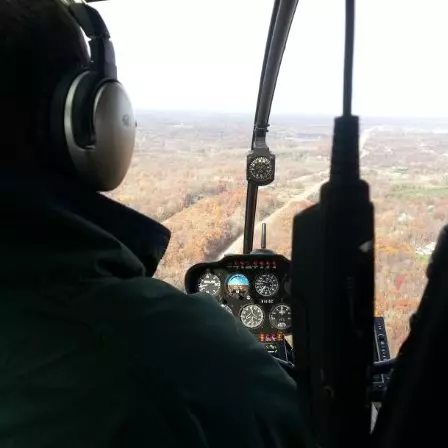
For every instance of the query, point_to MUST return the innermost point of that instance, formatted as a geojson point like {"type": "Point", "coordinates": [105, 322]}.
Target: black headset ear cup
{"type": "Point", "coordinates": [105, 162]}
{"type": "Point", "coordinates": [57, 153]}
{"type": "Point", "coordinates": [93, 130]}
{"type": "Point", "coordinates": [82, 109]}
{"type": "Point", "coordinates": [92, 124]}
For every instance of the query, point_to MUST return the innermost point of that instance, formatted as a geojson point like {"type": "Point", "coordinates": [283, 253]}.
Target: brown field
{"type": "Point", "coordinates": [189, 173]}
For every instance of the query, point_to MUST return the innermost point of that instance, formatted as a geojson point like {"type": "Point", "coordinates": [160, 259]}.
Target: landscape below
{"type": "Point", "coordinates": [189, 174]}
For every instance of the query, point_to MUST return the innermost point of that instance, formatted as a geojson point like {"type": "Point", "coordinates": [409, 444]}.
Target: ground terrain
{"type": "Point", "coordinates": [189, 173]}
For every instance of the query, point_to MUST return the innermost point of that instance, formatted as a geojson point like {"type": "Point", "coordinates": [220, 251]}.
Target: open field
{"type": "Point", "coordinates": [189, 173]}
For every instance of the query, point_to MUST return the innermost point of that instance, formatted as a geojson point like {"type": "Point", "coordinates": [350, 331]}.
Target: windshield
{"type": "Point", "coordinates": [192, 69]}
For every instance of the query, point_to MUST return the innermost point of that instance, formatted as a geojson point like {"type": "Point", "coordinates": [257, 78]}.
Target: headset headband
{"type": "Point", "coordinates": [102, 54]}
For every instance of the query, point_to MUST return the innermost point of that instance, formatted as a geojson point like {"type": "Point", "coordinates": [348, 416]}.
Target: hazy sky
{"type": "Point", "coordinates": [207, 55]}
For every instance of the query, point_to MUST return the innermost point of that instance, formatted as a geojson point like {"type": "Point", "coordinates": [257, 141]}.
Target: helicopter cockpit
{"type": "Point", "coordinates": [314, 313]}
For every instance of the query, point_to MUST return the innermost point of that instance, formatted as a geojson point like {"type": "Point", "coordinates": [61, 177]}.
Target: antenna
{"type": "Point", "coordinates": [263, 250]}
{"type": "Point", "coordinates": [263, 235]}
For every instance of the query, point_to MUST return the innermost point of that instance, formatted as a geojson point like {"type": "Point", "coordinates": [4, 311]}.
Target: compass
{"type": "Point", "coordinates": [260, 169]}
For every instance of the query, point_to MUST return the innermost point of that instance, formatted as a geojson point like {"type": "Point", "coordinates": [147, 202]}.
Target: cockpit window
{"type": "Point", "coordinates": [192, 69]}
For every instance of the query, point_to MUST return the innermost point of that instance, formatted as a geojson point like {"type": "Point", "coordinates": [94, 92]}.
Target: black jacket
{"type": "Point", "coordinates": [96, 353]}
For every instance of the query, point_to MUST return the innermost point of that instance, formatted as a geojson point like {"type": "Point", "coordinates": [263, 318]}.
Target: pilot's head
{"type": "Point", "coordinates": [39, 42]}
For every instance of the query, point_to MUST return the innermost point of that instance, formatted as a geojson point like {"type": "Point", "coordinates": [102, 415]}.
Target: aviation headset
{"type": "Point", "coordinates": [91, 115]}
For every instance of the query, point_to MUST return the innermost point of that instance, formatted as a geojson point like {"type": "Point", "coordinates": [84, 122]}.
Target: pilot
{"type": "Point", "coordinates": [95, 352]}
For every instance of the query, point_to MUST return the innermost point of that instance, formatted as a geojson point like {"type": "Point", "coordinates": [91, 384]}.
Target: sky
{"type": "Point", "coordinates": [207, 55]}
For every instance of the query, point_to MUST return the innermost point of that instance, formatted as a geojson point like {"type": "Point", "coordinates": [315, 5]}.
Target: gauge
{"type": "Point", "coordinates": [280, 317]}
{"type": "Point", "coordinates": [260, 168]}
{"type": "Point", "coordinates": [252, 316]}
{"type": "Point", "coordinates": [209, 283]}
{"type": "Point", "coordinates": [227, 308]}
{"type": "Point", "coordinates": [238, 285]}
{"type": "Point", "coordinates": [266, 285]}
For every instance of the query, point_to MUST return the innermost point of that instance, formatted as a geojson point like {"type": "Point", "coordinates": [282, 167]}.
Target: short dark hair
{"type": "Point", "coordinates": [39, 43]}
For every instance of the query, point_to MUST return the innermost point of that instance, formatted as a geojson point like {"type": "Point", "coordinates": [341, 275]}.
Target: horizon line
{"type": "Point", "coordinates": [288, 114]}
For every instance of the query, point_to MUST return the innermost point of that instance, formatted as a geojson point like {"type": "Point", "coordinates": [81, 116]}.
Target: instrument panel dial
{"type": "Point", "coordinates": [209, 283]}
{"type": "Point", "coordinates": [280, 317]}
{"type": "Point", "coordinates": [238, 285]}
{"type": "Point", "coordinates": [252, 316]}
{"type": "Point", "coordinates": [267, 284]}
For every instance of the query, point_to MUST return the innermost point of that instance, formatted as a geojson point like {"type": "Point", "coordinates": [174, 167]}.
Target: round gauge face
{"type": "Point", "coordinates": [227, 308]}
{"type": "Point", "coordinates": [238, 285]}
{"type": "Point", "coordinates": [209, 283]}
{"type": "Point", "coordinates": [252, 316]}
{"type": "Point", "coordinates": [266, 284]}
{"type": "Point", "coordinates": [260, 168]}
{"type": "Point", "coordinates": [280, 317]}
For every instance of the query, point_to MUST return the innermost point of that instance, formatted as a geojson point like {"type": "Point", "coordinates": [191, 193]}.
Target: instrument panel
{"type": "Point", "coordinates": [254, 288]}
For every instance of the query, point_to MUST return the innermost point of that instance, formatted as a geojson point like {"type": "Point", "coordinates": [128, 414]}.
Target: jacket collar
{"type": "Point", "coordinates": [145, 238]}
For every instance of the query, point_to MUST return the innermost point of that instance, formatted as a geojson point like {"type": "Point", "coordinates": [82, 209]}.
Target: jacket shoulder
{"type": "Point", "coordinates": [199, 361]}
